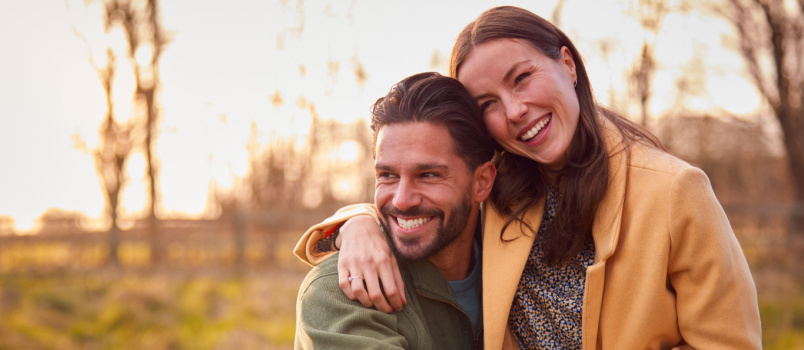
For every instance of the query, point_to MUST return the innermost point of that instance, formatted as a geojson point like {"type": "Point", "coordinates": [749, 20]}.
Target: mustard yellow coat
{"type": "Point", "coordinates": [668, 272]}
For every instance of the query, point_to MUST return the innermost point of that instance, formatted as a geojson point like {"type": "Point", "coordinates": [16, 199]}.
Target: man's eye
{"type": "Point", "coordinates": [430, 175]}
{"type": "Point", "coordinates": [386, 175]}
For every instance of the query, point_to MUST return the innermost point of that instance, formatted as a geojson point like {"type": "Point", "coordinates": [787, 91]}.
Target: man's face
{"type": "Point", "coordinates": [423, 189]}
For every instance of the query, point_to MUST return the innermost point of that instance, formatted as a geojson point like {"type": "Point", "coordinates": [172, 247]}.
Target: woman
{"type": "Point", "coordinates": [595, 237]}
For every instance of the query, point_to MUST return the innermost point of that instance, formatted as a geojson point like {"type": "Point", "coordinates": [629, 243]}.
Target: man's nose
{"type": "Point", "coordinates": [406, 195]}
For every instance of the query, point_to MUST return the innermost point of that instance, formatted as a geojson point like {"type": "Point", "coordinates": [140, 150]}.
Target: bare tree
{"type": "Point", "coordinates": [650, 14]}
{"type": "Point", "coordinates": [771, 41]}
{"type": "Point", "coordinates": [111, 156]}
{"type": "Point", "coordinates": [143, 31]}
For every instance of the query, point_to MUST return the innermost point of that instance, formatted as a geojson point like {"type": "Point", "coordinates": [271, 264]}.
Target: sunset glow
{"type": "Point", "coordinates": [265, 63]}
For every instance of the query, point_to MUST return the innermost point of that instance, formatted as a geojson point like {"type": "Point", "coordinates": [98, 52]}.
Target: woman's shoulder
{"type": "Point", "coordinates": [639, 155]}
{"type": "Point", "coordinates": [646, 158]}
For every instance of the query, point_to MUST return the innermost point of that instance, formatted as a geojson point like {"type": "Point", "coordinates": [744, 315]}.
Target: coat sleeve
{"type": "Point", "coordinates": [716, 296]}
{"type": "Point", "coordinates": [306, 247]}
{"type": "Point", "coordinates": [327, 319]}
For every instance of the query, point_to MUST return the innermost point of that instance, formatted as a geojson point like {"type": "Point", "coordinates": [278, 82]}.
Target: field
{"type": "Point", "coordinates": [158, 311]}
{"type": "Point", "coordinates": [208, 303]}
{"type": "Point", "coordinates": [52, 297]}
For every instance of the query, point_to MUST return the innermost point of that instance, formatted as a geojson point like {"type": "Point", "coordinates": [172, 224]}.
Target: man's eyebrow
{"type": "Point", "coordinates": [431, 166]}
{"type": "Point", "coordinates": [418, 167]}
{"type": "Point", "coordinates": [385, 167]}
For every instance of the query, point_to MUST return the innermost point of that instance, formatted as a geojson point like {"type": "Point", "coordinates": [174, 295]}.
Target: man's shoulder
{"type": "Point", "coordinates": [322, 276]}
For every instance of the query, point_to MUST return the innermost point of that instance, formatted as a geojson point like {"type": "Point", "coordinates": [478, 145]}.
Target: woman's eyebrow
{"type": "Point", "coordinates": [510, 73]}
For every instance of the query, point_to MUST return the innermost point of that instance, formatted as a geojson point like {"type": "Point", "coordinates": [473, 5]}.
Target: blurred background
{"type": "Point", "coordinates": [159, 159]}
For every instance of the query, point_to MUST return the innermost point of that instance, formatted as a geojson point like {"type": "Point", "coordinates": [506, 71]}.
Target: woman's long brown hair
{"type": "Point", "coordinates": [522, 182]}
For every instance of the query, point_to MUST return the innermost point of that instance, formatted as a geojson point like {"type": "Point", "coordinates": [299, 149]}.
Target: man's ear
{"type": "Point", "coordinates": [482, 181]}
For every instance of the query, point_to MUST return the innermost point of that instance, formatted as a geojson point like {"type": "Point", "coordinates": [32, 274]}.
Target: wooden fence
{"type": "Point", "coordinates": [242, 241]}
{"type": "Point", "coordinates": [767, 234]}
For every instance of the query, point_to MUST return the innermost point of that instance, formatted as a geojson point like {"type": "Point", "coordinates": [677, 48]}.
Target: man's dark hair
{"type": "Point", "coordinates": [434, 98]}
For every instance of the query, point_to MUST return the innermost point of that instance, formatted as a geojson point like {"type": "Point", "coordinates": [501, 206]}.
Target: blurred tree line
{"type": "Point", "coordinates": [771, 41]}
{"type": "Point", "coordinates": [290, 177]}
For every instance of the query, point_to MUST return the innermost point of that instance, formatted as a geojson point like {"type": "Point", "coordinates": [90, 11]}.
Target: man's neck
{"type": "Point", "coordinates": [455, 260]}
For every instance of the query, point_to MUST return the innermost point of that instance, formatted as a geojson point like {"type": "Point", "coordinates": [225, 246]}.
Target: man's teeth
{"type": "Point", "coordinates": [535, 131]}
{"type": "Point", "coordinates": [413, 223]}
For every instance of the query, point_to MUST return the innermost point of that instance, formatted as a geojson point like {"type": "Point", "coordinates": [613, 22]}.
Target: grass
{"type": "Point", "coordinates": [156, 311]}
{"type": "Point", "coordinates": [782, 315]}
{"type": "Point", "coordinates": [107, 310]}
{"type": "Point", "coordinates": [46, 304]}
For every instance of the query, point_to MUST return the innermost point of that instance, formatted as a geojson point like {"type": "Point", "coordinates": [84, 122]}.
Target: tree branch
{"type": "Point", "coordinates": [745, 25]}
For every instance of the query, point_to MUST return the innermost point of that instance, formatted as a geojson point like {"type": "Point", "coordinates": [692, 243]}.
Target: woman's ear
{"type": "Point", "coordinates": [568, 62]}
{"type": "Point", "coordinates": [482, 181]}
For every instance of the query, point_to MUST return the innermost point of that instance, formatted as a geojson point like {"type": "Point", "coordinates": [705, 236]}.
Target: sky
{"type": "Point", "coordinates": [225, 62]}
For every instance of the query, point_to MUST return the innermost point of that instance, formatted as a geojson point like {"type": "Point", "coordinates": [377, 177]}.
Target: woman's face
{"type": "Point", "coordinates": [528, 99]}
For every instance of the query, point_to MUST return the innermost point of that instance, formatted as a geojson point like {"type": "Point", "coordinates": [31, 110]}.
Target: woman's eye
{"type": "Point", "coordinates": [485, 105]}
{"type": "Point", "coordinates": [521, 77]}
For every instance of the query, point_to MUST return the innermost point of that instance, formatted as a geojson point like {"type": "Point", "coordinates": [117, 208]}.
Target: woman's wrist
{"type": "Point", "coordinates": [329, 243]}
{"type": "Point", "coordinates": [336, 238]}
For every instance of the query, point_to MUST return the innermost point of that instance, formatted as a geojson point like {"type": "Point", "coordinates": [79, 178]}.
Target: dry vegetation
{"type": "Point", "coordinates": [201, 305]}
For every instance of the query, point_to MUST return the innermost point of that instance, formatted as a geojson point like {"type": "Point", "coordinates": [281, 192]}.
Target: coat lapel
{"type": "Point", "coordinates": [605, 232]}
{"type": "Point", "coordinates": [503, 263]}
{"type": "Point", "coordinates": [606, 227]}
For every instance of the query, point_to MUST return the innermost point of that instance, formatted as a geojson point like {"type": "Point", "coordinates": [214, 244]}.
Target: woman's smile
{"type": "Point", "coordinates": [537, 131]}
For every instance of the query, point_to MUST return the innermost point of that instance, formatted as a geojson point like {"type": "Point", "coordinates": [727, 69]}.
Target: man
{"type": "Point", "coordinates": [432, 161]}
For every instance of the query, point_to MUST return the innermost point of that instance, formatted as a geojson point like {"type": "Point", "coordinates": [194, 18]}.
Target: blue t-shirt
{"type": "Point", "coordinates": [465, 291]}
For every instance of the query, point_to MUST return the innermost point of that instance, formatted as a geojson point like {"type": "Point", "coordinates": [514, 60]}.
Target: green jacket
{"type": "Point", "coordinates": [327, 319]}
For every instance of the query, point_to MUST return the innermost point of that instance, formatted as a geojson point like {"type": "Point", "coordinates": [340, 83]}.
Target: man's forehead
{"type": "Point", "coordinates": [418, 143]}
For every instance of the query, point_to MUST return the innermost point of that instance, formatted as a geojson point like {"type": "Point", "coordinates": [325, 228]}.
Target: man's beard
{"type": "Point", "coordinates": [445, 234]}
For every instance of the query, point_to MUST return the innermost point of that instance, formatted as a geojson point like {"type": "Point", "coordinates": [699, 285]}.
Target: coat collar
{"type": "Point", "coordinates": [606, 227]}
{"type": "Point", "coordinates": [504, 259]}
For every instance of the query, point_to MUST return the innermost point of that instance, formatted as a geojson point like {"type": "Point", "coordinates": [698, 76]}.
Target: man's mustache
{"type": "Point", "coordinates": [415, 211]}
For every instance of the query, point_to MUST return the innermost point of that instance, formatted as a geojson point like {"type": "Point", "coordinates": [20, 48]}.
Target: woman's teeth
{"type": "Point", "coordinates": [413, 223]}
{"type": "Point", "coordinates": [536, 129]}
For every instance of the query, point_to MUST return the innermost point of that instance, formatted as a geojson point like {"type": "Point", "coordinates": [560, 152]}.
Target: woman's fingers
{"type": "Point", "coordinates": [364, 284]}
{"type": "Point", "coordinates": [344, 282]}
{"type": "Point", "coordinates": [374, 293]}
{"type": "Point", "coordinates": [400, 284]}
{"type": "Point", "coordinates": [392, 285]}
{"type": "Point", "coordinates": [367, 258]}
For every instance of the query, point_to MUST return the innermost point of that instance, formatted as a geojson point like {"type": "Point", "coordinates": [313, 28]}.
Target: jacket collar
{"type": "Point", "coordinates": [606, 227]}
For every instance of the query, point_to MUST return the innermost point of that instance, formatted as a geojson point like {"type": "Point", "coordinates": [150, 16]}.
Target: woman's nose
{"type": "Point", "coordinates": [515, 109]}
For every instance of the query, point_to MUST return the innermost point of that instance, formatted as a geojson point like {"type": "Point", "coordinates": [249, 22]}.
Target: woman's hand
{"type": "Point", "coordinates": [367, 258]}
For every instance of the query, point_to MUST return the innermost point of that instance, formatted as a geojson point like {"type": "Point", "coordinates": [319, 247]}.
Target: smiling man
{"type": "Point", "coordinates": [433, 169]}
